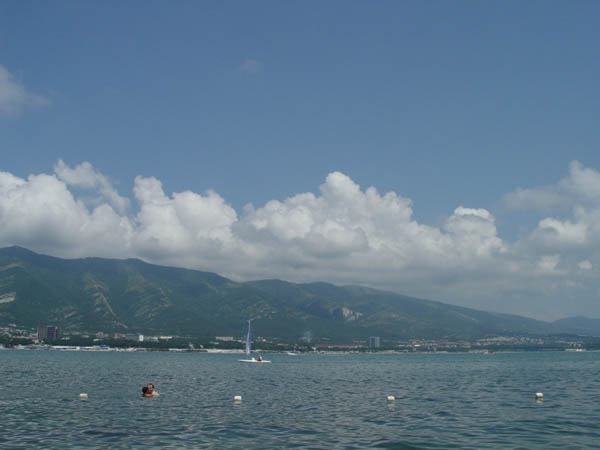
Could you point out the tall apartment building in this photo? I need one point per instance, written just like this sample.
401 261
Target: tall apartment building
48 333
374 342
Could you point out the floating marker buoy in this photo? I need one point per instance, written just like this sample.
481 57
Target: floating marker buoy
539 396
83 396
391 398
237 398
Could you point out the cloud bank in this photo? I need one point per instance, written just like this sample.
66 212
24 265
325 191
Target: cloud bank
343 233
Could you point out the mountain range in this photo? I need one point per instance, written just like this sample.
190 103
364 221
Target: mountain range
96 294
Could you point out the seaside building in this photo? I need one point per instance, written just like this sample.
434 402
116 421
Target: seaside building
374 342
47 333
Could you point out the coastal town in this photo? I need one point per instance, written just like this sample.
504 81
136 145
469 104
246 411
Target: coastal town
49 337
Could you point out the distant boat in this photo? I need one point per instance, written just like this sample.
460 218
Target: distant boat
291 354
251 359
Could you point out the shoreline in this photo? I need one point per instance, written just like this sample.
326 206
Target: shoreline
216 351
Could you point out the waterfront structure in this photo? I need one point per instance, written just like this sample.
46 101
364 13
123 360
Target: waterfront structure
374 342
47 333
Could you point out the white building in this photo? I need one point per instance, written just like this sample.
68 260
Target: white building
374 342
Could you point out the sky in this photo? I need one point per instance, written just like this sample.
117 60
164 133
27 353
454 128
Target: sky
447 150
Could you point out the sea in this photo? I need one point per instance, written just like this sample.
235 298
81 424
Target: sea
309 401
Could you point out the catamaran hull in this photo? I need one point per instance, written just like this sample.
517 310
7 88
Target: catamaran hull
254 361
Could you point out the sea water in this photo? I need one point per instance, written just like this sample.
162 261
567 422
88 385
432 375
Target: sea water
305 401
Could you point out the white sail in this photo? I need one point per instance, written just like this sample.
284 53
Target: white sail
248 341
251 359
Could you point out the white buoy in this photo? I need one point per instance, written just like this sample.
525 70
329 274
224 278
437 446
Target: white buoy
83 396
237 398
539 396
391 398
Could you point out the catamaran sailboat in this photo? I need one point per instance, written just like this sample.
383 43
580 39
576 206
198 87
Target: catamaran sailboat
252 359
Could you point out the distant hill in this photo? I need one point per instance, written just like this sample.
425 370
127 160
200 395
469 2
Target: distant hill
577 325
95 294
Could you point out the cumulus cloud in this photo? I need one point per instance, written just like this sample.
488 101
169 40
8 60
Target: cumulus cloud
577 231
41 213
14 97
86 177
582 182
185 227
581 185
342 233
553 232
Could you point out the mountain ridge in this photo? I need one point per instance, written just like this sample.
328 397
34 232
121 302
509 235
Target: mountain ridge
131 295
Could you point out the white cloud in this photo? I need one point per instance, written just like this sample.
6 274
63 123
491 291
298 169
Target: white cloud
41 213
186 226
343 233
545 198
579 231
14 97
552 231
581 185
582 182
547 264
585 265
86 177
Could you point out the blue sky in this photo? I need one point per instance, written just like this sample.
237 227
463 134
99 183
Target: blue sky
429 100
445 103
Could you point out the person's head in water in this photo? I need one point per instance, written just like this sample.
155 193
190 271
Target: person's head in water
148 390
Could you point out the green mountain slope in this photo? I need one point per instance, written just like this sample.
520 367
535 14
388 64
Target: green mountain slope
95 294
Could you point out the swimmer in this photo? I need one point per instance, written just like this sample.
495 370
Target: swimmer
149 391
154 391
